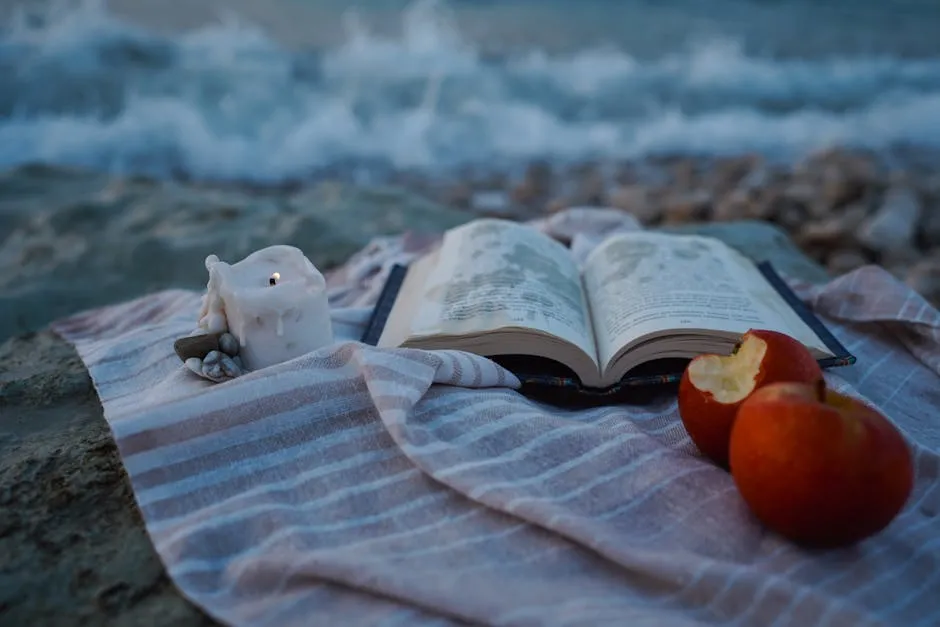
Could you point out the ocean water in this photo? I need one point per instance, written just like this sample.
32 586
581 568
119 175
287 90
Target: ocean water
275 90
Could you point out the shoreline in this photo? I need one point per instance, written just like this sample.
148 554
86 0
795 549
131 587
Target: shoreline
80 238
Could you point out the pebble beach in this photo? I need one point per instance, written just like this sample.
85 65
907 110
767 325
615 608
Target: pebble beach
843 208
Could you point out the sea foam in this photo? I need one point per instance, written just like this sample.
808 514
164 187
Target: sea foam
227 101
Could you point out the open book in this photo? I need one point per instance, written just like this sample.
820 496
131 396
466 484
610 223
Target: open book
499 288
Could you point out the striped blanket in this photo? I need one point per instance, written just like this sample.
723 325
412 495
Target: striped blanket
357 486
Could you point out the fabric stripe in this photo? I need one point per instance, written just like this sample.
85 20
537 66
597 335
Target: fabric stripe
401 487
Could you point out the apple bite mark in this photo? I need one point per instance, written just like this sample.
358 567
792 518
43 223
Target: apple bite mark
730 379
713 387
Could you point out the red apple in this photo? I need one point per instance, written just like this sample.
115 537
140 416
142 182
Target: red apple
820 468
714 386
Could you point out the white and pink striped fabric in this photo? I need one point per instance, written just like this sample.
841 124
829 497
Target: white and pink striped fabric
357 486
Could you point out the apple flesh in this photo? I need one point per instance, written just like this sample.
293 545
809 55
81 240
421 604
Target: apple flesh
713 387
820 468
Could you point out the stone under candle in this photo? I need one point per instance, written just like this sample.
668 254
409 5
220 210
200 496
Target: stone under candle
273 301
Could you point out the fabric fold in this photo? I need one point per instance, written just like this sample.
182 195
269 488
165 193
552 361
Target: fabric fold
356 485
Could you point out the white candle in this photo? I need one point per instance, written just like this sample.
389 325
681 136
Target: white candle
273 301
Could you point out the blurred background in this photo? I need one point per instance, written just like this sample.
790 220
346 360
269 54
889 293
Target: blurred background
142 130
268 91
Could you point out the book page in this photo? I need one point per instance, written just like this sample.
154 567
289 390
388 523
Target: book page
643 282
493 274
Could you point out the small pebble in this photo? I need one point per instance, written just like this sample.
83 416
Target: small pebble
213 371
229 367
228 344
194 364
196 345
212 358
237 360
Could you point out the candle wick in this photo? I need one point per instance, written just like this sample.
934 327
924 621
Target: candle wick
274 278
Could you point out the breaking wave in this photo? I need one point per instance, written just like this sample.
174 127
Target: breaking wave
81 87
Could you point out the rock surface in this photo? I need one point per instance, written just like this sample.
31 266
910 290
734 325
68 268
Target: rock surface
74 549
893 226
198 345
75 240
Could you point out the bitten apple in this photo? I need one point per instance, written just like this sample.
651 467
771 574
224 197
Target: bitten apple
820 468
713 387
